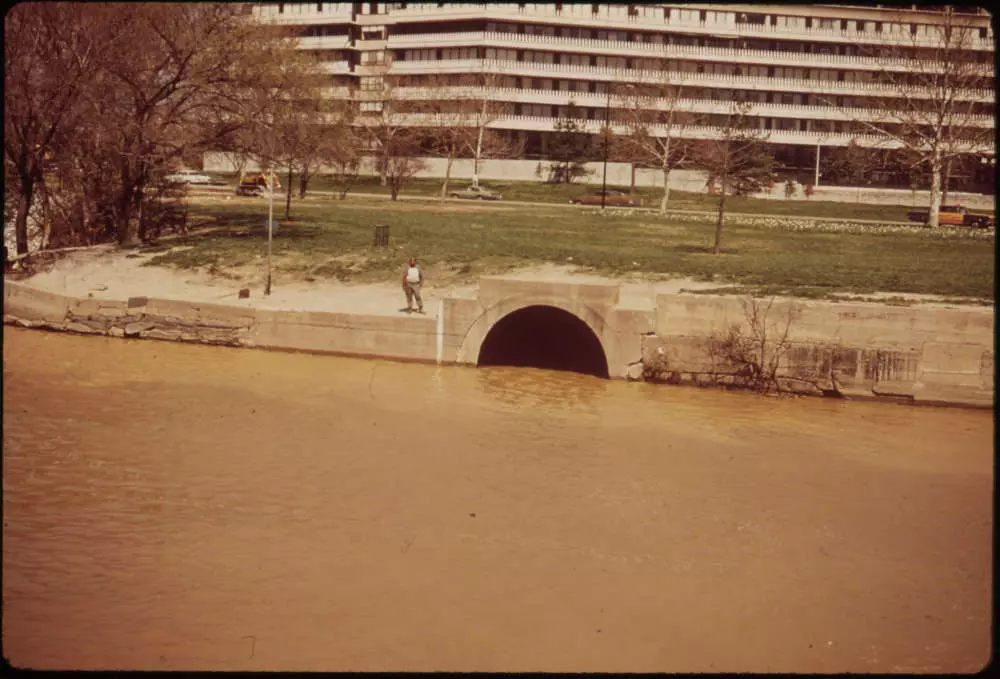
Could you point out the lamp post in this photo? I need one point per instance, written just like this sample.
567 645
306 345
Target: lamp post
607 128
270 219
816 172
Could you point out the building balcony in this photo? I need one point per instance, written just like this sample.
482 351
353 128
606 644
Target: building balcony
370 45
650 50
704 132
528 123
623 75
303 13
651 17
325 42
704 106
335 67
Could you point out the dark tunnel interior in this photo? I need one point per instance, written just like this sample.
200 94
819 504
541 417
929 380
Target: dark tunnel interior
544 337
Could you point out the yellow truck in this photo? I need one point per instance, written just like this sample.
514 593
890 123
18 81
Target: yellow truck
254 184
955 215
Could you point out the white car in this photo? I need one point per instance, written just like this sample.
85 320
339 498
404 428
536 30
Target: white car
188 177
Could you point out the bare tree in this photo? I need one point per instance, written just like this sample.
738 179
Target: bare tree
487 109
345 164
737 160
940 96
450 130
654 122
105 100
51 58
400 161
395 136
752 353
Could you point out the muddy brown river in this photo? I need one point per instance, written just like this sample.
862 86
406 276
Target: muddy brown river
172 506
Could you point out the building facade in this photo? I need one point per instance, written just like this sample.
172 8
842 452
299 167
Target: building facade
816 76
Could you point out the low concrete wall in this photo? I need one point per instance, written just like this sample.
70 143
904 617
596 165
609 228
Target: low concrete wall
931 355
924 355
403 338
620 174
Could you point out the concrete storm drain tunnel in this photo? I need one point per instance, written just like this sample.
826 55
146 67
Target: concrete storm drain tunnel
544 337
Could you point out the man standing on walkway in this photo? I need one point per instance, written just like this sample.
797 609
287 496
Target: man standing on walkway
413 277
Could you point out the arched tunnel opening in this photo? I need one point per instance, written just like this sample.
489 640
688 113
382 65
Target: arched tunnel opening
544 337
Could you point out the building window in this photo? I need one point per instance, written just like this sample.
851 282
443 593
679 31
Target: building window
594 8
843 24
281 8
809 22
913 29
319 6
702 15
632 11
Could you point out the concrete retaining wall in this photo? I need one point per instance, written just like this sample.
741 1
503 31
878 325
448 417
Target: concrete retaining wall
929 355
403 338
924 355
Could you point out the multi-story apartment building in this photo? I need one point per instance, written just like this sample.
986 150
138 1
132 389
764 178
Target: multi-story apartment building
814 73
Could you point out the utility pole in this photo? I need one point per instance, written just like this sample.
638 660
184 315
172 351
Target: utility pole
607 128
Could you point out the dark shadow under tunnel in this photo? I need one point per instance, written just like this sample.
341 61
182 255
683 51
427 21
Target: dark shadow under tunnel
544 337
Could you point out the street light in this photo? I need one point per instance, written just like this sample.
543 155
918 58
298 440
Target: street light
270 219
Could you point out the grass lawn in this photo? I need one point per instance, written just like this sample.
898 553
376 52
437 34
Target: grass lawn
542 192
460 241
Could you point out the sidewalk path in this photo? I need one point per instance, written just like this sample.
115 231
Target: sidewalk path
567 205
104 272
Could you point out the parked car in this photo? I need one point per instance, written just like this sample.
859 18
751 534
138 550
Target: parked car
954 215
476 193
188 177
611 197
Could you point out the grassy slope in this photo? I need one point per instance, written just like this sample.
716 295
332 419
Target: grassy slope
333 239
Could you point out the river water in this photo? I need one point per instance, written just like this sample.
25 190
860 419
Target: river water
171 506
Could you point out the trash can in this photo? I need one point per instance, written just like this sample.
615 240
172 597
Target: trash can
381 236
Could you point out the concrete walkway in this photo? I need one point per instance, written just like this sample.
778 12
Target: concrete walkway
104 272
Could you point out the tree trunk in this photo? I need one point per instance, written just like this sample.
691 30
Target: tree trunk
127 231
23 207
946 181
934 211
722 218
632 186
142 216
288 194
383 170
447 176
666 191
303 181
479 153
